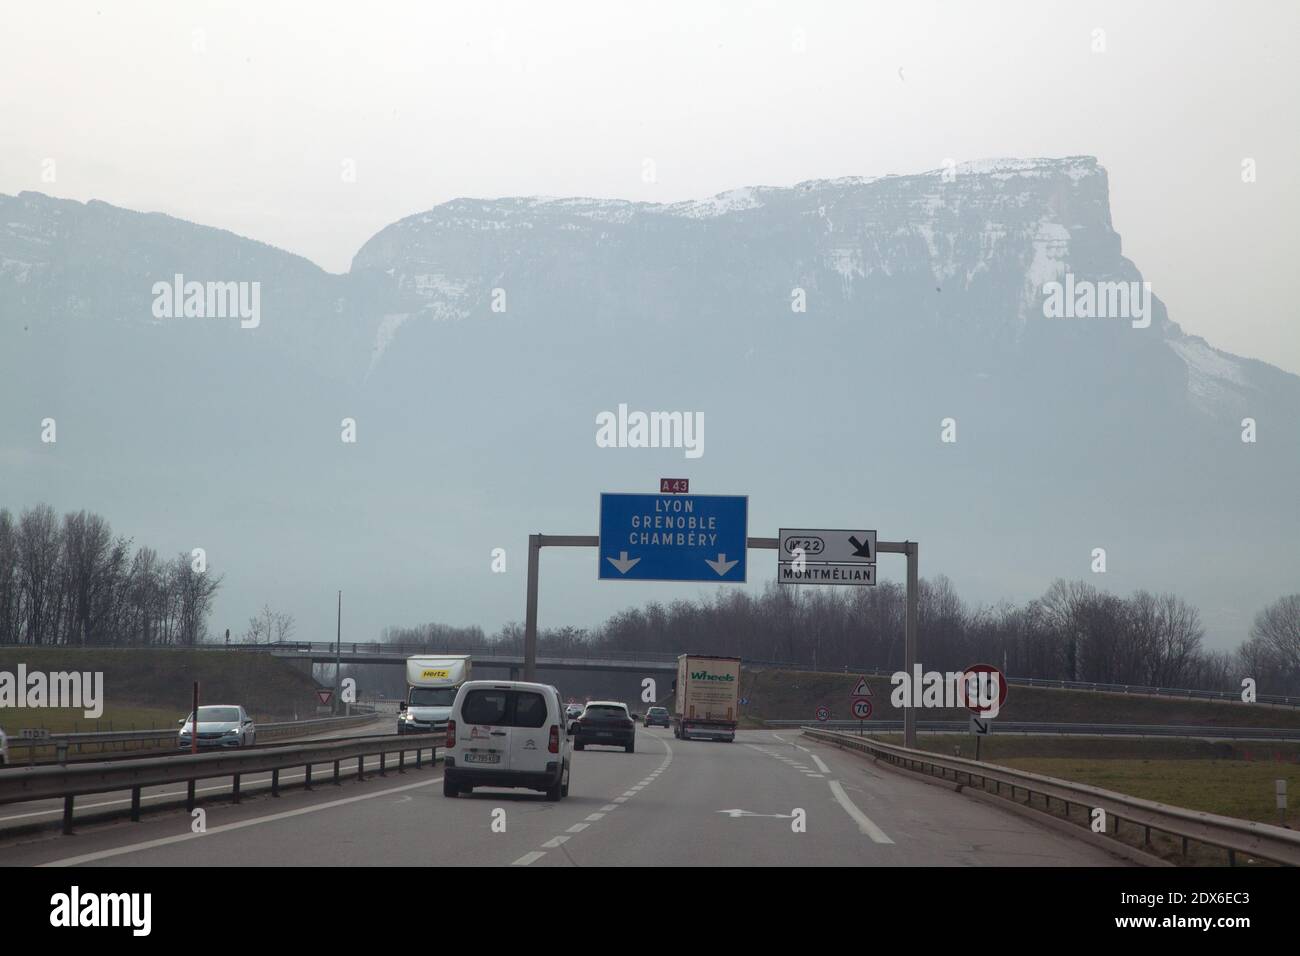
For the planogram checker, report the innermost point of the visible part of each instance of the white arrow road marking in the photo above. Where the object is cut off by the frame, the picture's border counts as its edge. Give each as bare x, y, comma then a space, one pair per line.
722, 565
861, 819
623, 562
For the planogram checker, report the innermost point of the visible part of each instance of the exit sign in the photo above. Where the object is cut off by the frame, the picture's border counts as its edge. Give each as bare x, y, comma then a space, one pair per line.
674, 486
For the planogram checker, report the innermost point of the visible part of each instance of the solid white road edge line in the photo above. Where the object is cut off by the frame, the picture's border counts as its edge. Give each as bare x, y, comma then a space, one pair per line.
238, 825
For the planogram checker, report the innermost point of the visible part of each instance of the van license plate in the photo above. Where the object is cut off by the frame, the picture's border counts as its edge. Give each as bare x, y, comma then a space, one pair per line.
482, 758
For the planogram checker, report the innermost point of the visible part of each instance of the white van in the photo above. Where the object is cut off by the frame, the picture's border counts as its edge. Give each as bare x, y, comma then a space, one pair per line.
507, 734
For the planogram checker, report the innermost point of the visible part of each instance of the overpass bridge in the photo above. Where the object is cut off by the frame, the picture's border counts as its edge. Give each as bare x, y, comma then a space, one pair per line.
320, 652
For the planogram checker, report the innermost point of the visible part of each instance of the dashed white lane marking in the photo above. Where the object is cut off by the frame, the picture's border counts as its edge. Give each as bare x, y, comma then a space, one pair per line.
239, 825
779, 737
865, 825
861, 819
533, 857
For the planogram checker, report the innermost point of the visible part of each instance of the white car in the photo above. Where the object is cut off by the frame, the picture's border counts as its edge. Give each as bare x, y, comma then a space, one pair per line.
220, 725
507, 734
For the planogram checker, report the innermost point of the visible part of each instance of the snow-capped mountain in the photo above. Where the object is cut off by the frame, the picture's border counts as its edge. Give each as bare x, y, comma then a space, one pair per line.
825, 330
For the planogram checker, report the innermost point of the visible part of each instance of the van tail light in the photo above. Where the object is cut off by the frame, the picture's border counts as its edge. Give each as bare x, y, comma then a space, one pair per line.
554, 745
451, 734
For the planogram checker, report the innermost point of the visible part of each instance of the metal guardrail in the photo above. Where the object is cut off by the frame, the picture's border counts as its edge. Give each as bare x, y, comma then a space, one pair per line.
1190, 694
62, 743
1260, 840
67, 782
1220, 732
1053, 684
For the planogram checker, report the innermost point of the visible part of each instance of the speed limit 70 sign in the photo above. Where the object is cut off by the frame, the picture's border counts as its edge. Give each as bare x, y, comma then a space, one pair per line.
862, 708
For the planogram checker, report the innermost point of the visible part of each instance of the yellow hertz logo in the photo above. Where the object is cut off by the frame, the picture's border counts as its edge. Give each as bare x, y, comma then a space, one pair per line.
434, 673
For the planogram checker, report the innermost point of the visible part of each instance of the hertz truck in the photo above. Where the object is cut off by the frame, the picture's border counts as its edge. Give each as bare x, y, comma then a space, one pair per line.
708, 693
432, 683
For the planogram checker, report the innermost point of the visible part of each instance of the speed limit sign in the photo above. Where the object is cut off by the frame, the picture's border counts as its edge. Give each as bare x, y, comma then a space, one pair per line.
823, 713
862, 708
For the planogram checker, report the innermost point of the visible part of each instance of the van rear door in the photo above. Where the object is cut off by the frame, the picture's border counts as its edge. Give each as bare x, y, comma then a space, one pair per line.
530, 732
486, 732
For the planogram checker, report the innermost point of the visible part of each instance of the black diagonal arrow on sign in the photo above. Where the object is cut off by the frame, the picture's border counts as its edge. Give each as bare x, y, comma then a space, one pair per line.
862, 549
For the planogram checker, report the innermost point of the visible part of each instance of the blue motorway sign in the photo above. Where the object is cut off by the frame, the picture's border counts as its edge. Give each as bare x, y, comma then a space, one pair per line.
673, 537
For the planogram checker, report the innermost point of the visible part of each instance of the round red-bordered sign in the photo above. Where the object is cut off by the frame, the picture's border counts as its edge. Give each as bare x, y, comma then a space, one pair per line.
1002, 686
823, 713
862, 708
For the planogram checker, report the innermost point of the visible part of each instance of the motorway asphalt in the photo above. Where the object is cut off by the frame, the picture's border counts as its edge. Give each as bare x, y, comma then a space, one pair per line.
672, 803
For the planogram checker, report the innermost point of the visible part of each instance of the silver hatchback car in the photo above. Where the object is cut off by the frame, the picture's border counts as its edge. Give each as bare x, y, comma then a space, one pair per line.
220, 725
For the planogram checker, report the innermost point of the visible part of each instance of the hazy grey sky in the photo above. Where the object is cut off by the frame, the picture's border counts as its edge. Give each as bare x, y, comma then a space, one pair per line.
243, 115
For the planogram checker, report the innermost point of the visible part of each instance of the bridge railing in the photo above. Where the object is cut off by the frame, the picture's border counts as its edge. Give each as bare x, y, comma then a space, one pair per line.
1256, 840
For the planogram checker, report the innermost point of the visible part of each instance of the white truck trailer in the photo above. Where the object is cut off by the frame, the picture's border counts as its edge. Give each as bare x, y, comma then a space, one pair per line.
708, 696
432, 683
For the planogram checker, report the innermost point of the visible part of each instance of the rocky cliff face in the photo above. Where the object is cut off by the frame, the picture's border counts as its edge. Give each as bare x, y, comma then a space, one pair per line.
826, 331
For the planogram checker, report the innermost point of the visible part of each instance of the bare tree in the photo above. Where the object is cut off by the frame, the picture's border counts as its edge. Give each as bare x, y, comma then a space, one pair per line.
1273, 652
38, 557
10, 603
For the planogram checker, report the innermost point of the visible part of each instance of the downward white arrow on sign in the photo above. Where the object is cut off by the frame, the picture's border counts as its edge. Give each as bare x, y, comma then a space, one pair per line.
623, 562
722, 565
